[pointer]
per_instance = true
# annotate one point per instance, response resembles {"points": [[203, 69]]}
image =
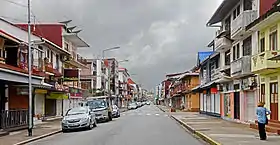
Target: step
{"points": [[268, 128], [272, 123]]}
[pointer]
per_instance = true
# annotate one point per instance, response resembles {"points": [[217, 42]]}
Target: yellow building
{"points": [[266, 59], [189, 81]]}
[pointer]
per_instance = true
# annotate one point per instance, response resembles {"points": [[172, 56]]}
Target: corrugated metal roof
{"points": [[203, 55]]}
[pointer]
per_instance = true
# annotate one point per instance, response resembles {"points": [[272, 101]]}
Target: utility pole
{"points": [[30, 112]]}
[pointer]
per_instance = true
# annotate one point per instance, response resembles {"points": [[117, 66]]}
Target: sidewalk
{"points": [[45, 128], [219, 131]]}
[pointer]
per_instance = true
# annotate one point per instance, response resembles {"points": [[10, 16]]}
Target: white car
{"points": [[76, 118]]}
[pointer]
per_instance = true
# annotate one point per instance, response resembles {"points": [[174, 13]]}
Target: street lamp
{"points": [[109, 49], [30, 115], [103, 57], [125, 60]]}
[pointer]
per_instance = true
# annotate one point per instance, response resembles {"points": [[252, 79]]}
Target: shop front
{"points": [[75, 97]]}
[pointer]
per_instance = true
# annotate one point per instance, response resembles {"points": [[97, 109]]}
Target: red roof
{"points": [[130, 81]]}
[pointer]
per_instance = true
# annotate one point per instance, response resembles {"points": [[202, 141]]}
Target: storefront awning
{"points": [[57, 96], [14, 76]]}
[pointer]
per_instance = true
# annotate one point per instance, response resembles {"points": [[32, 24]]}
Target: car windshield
{"points": [[76, 111], [95, 104]]}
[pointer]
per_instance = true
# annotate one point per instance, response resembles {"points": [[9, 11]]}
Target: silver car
{"points": [[76, 118]]}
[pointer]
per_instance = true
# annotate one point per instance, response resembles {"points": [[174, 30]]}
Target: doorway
{"points": [[274, 101], [50, 107], [236, 105]]}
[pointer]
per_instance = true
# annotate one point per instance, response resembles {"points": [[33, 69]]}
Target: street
{"points": [[146, 125]]}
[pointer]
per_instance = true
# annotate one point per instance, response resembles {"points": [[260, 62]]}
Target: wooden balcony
{"points": [[260, 63]]}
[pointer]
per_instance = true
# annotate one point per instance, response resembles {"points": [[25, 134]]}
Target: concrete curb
{"points": [[197, 133], [161, 109], [38, 137]]}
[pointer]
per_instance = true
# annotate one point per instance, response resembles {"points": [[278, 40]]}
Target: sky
{"points": [[158, 37]]}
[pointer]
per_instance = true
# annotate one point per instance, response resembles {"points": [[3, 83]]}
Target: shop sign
{"points": [[214, 90], [75, 92], [41, 91], [71, 73]]}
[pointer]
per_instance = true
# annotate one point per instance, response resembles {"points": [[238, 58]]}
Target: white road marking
{"points": [[157, 114], [148, 114]]}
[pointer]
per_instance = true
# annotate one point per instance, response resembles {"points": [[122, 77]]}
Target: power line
{"points": [[12, 2], [11, 18]]}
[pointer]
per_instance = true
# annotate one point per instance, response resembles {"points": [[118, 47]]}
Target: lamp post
{"points": [[109, 74], [30, 112]]}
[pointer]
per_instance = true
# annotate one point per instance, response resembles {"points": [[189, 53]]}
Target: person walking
{"points": [[262, 113]]}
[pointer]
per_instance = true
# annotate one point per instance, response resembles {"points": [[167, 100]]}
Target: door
{"points": [[274, 101], [251, 106], [50, 107], [236, 105]]}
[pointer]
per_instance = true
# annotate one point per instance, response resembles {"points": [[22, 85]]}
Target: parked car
{"points": [[138, 104], [116, 111], [101, 106], [79, 117], [148, 103], [132, 106]]}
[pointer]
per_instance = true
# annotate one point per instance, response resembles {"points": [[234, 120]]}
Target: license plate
{"points": [[72, 125]]}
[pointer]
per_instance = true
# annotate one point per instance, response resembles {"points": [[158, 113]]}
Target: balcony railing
{"points": [[238, 25], [241, 67], [13, 118], [261, 64], [215, 74], [221, 43], [81, 59], [49, 67]]}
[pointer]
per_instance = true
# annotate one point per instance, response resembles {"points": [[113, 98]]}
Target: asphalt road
{"points": [[144, 126]]}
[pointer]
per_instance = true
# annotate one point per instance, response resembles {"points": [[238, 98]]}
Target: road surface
{"points": [[145, 126]]}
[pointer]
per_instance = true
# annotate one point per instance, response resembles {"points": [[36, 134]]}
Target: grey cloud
{"points": [[157, 36]]}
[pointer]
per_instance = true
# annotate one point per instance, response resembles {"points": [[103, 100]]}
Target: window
{"points": [[227, 24], [262, 97], [233, 54], [227, 57], [247, 46], [236, 12], [247, 4], [66, 46], [273, 92], [262, 45], [273, 41], [236, 52]]}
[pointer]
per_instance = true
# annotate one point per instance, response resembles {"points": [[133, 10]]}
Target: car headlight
{"points": [[64, 121]]}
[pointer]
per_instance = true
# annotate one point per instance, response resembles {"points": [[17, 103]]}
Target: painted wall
{"points": [[267, 80], [265, 5]]}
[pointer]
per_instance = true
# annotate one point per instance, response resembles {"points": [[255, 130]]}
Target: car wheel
{"points": [[95, 124], [64, 130], [90, 125]]}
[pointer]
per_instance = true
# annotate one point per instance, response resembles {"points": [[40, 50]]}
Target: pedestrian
{"points": [[262, 113]]}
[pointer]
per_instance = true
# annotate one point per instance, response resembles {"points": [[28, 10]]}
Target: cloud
{"points": [[157, 36]]}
